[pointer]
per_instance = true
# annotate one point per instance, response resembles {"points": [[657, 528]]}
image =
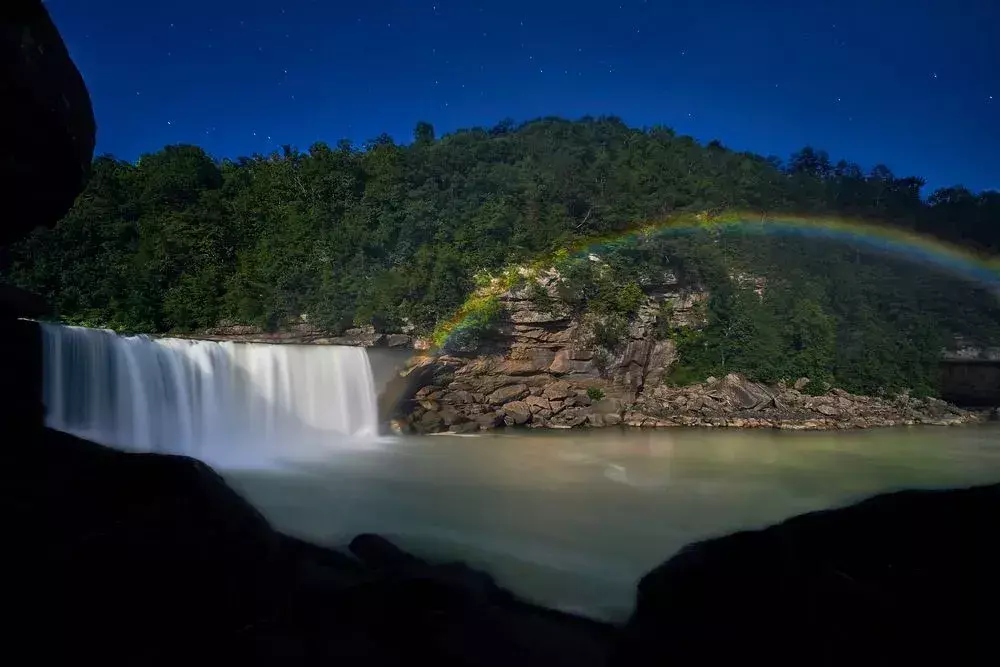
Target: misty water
{"points": [[573, 519]]}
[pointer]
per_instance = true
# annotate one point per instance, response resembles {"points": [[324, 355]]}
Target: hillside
{"points": [[395, 236]]}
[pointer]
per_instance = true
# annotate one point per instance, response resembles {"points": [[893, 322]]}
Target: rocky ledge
{"points": [[544, 368], [469, 403]]}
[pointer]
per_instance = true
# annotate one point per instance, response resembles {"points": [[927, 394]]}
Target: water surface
{"points": [[574, 518]]}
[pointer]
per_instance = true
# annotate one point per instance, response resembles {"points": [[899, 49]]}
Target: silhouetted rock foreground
{"points": [[154, 559]]}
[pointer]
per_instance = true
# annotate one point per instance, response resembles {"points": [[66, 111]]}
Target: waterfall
{"points": [[226, 403]]}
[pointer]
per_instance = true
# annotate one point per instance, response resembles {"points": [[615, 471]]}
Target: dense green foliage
{"points": [[387, 234]]}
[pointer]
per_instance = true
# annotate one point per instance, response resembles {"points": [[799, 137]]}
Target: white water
{"points": [[229, 404]]}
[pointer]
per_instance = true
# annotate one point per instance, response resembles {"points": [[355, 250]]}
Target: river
{"points": [[572, 519]]}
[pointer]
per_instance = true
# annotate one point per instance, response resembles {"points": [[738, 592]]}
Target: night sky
{"points": [[914, 84]]}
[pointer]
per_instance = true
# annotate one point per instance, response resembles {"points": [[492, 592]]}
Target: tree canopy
{"points": [[385, 233]]}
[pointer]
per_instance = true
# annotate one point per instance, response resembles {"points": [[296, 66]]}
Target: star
{"points": [[934, 75], [169, 123]]}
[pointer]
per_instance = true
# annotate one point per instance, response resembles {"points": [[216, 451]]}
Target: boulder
{"points": [[430, 422], [538, 404], [517, 413], [612, 419], [488, 420], [901, 578], [451, 416], [570, 417], [560, 363], [464, 427], [828, 410], [398, 340], [558, 390], [457, 397], [507, 394], [800, 384]]}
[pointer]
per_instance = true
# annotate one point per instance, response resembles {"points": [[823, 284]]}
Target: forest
{"points": [[390, 234]]}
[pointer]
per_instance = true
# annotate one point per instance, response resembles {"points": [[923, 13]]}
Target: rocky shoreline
{"points": [[731, 402], [543, 369]]}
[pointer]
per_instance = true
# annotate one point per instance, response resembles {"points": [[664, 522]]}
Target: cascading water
{"points": [[226, 403]]}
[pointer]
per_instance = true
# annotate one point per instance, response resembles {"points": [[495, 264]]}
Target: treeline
{"points": [[388, 234]]}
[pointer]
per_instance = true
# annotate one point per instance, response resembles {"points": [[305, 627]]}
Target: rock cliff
{"points": [[545, 369]]}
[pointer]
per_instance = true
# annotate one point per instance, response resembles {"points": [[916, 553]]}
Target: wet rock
{"points": [[488, 420], [464, 427], [430, 422], [570, 417], [516, 413]]}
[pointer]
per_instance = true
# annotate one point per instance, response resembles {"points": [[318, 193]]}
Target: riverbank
{"points": [[463, 402]]}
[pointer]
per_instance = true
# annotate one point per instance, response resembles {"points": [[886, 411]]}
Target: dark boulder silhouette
{"points": [[902, 578], [154, 559]]}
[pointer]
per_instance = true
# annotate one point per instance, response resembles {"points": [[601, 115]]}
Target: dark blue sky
{"points": [[911, 83]]}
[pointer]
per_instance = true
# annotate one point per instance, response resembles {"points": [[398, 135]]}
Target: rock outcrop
{"points": [[545, 367]]}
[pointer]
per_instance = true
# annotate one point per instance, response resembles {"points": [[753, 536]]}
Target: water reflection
{"points": [[573, 519]]}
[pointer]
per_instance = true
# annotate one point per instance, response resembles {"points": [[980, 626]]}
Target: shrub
{"points": [[595, 393]]}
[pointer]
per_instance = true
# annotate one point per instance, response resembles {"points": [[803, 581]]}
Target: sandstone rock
{"points": [[398, 340], [661, 359], [801, 384], [457, 397], [560, 364], [424, 392], [595, 420], [609, 406], [612, 419], [520, 367], [464, 427], [556, 406], [581, 399], [451, 416], [828, 410], [489, 420], [558, 390], [527, 316], [431, 406], [538, 404], [507, 394], [570, 417], [430, 422], [518, 412]]}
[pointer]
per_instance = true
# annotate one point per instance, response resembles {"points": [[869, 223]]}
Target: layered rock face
{"points": [[545, 370]]}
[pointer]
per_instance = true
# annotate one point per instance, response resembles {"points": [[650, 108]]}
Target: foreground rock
{"points": [[907, 578], [154, 559]]}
